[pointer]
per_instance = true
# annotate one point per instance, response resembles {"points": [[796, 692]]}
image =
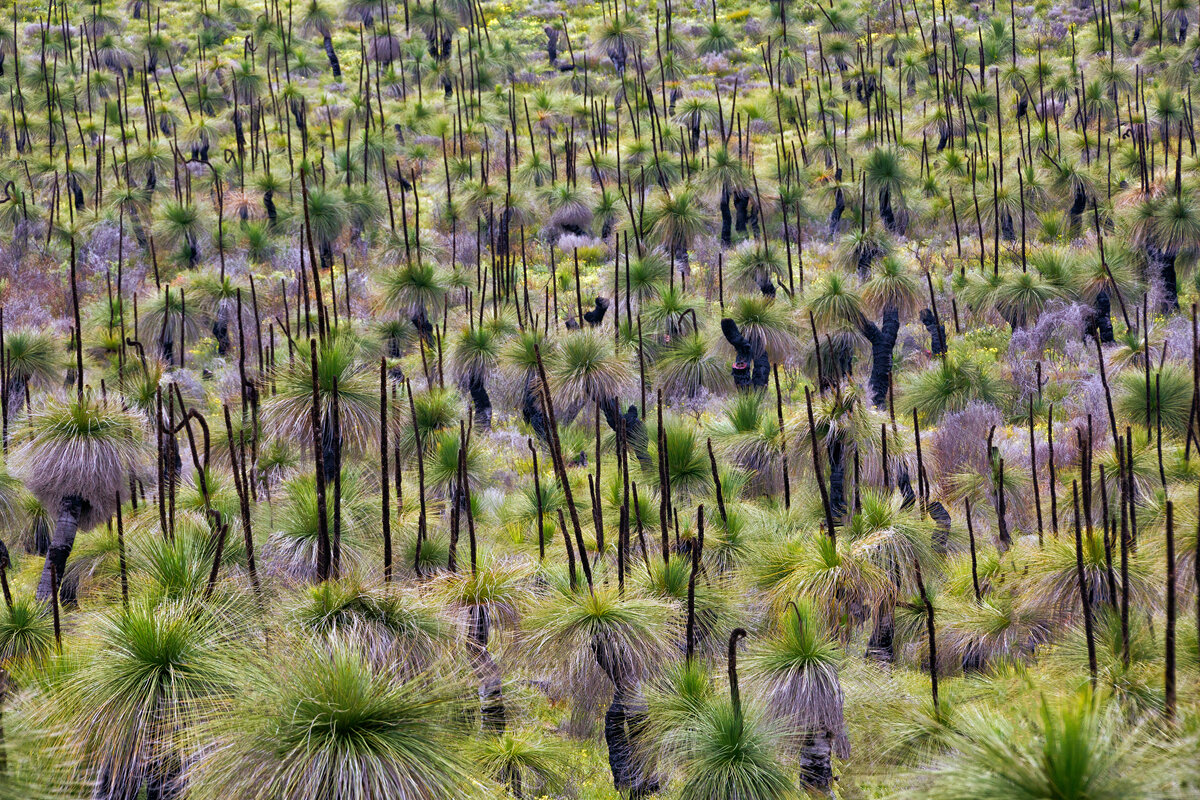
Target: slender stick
{"points": [[537, 492], [812, 430], [735, 695], [1053, 471], [787, 489], [464, 443], [697, 547], [971, 537], [1169, 675], [385, 502], [54, 606], [120, 556], [570, 550], [1037, 493], [1108, 540], [560, 466], [1081, 577], [323, 549], [421, 520], [712, 462], [5, 563], [929, 629]]}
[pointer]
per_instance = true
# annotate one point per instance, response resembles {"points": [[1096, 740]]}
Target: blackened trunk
{"points": [[635, 431], [1170, 301], [816, 760], [619, 755], [885, 210], [331, 448], [531, 410], [941, 535], [751, 367], [164, 781], [1101, 321], [326, 255], [1078, 206], [839, 206], [1006, 227], [424, 328], [491, 695], [595, 316], [480, 400], [70, 510], [39, 537], [837, 478], [220, 331], [937, 332], [881, 645], [741, 204], [334, 65], [883, 340]]}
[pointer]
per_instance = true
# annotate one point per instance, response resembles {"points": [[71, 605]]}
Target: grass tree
{"points": [[675, 219], [896, 538], [341, 363], [327, 721], [130, 703], [474, 357], [390, 627], [600, 639], [487, 595], [317, 18], [619, 36], [217, 297], [885, 173], [726, 176], [415, 290], [34, 357], [797, 667], [1165, 227], [180, 225], [77, 457], [327, 214], [1074, 747], [732, 749], [589, 369], [528, 763]]}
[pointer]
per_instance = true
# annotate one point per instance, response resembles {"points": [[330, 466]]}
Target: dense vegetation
{"points": [[362, 439]]}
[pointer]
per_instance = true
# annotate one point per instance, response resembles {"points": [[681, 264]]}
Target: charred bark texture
{"points": [[883, 340], [751, 367]]}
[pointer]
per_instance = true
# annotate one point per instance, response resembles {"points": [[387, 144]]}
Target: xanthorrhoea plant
{"points": [[797, 667], [392, 627], [599, 639], [327, 721], [144, 678], [76, 457], [1074, 747]]}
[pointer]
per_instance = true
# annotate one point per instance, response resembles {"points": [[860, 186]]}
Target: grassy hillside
{"points": [[464, 399]]}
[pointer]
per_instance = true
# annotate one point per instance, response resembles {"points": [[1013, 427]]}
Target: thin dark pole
{"points": [[323, 549], [787, 488], [929, 629], [421, 521], [1169, 673], [971, 537], [697, 547], [385, 502], [1081, 576], [812, 430], [120, 556], [537, 491]]}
